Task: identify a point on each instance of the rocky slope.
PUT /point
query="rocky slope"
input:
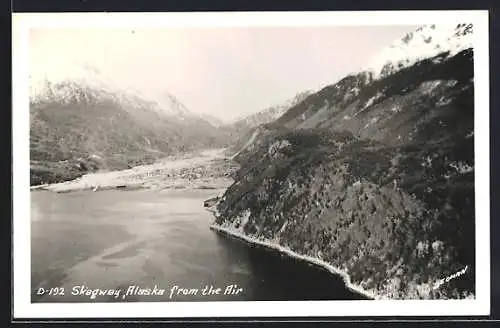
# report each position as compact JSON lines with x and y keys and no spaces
{"x":373,"y":175}
{"x":84,"y":123}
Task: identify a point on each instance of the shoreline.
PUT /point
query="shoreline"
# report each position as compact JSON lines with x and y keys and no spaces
{"x":311,"y":260}
{"x":129,"y":187}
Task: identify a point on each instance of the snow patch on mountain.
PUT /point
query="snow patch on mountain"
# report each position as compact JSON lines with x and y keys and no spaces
{"x":77,"y":73}
{"x":425,"y":42}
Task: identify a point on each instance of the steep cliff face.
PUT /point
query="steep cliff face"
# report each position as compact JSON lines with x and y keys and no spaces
{"x":396,"y":219}
{"x":373,"y":175}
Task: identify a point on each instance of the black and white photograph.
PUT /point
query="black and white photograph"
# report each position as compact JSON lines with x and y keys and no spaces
{"x":229,"y":164}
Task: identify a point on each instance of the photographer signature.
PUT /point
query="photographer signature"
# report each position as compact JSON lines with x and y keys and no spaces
{"x":457,"y":274}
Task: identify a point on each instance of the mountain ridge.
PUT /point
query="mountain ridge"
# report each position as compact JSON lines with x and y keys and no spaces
{"x":244,"y":130}
{"x":373,"y":174}
{"x":270,"y":113}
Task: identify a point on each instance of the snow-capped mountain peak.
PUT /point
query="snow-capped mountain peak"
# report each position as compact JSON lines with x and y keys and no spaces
{"x":68,"y":75}
{"x":426,"y":41}
{"x":75,"y":81}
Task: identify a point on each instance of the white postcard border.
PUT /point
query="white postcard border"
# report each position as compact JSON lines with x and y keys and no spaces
{"x":23,"y":308}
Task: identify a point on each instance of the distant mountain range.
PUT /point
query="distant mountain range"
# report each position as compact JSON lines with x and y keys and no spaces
{"x":243,"y":131}
{"x":82,"y":82}
{"x":212,"y":120}
{"x":83,"y":122}
{"x":373,"y":174}
{"x":269,"y":114}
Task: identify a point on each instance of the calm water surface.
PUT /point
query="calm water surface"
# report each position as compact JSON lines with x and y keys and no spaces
{"x":116,"y":239}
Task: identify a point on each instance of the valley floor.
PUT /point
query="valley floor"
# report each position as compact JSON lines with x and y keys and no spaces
{"x":208,"y":169}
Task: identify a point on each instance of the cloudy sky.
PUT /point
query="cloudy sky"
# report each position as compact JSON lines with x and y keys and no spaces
{"x":226,"y":72}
